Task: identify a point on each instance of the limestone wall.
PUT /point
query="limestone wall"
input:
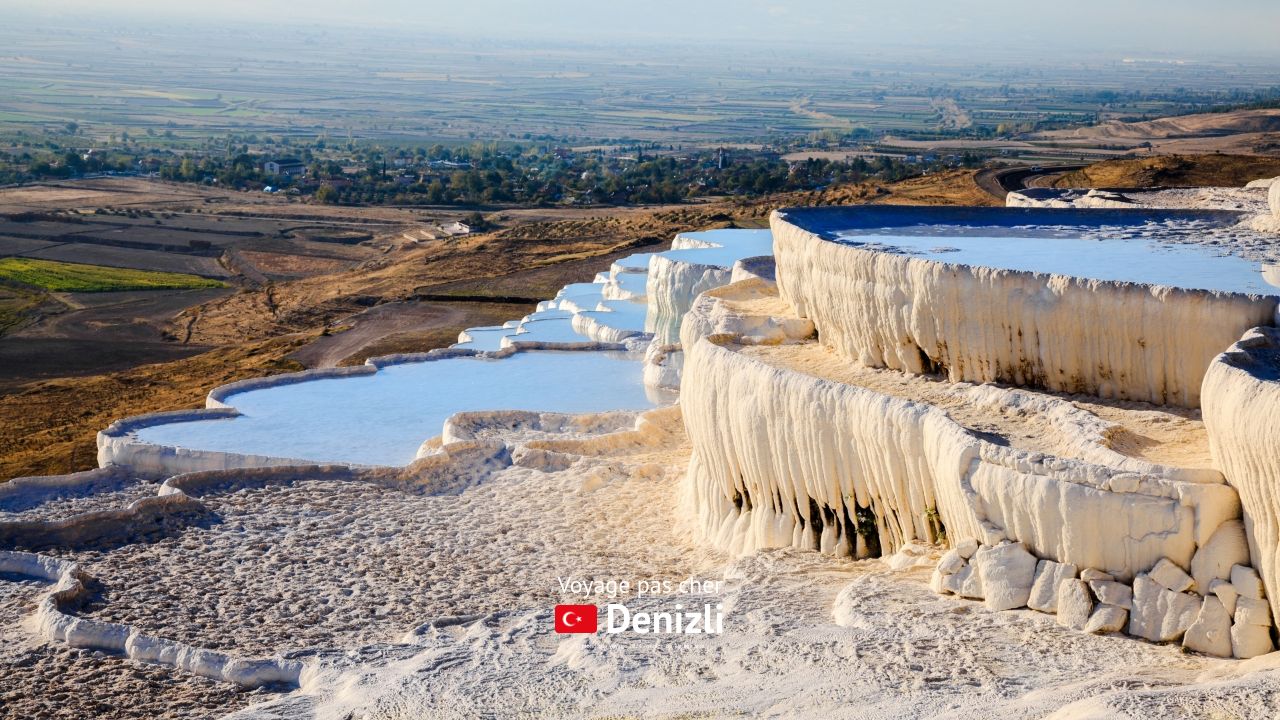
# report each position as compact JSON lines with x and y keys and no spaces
{"x":782,"y":458}
{"x":119,"y":445}
{"x":1110,"y":339}
{"x":1242,"y":415}
{"x":672,"y":287}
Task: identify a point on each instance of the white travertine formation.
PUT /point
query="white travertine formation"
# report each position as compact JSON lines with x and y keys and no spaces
{"x":1007,"y":572}
{"x":968,"y":547}
{"x":672,"y":287}
{"x":1264,"y":183}
{"x":784,"y":458}
{"x":55,"y":623}
{"x":1225,"y":592}
{"x":1095,"y":575}
{"x":1273,"y":198}
{"x":1252,"y":611}
{"x":1159,"y":614}
{"x":1067,"y":198}
{"x":1044,"y":589}
{"x":715,"y":314}
{"x":1249,"y":641}
{"x":1075,"y":604}
{"x":981,"y":324}
{"x":1246,"y":582}
{"x":1227,"y":547}
{"x":1211,"y":632}
{"x":1170,"y":576}
{"x":1240,"y":401}
{"x":1107,"y":619}
{"x":676,"y":279}
{"x":1110,"y":592}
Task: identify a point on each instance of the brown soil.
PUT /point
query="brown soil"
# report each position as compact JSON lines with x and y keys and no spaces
{"x":50,"y":427}
{"x":1181,"y":126}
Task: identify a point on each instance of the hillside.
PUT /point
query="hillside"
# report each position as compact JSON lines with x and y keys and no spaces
{"x":1172,"y":171}
{"x":1182,"y":126}
{"x":1243,"y":132}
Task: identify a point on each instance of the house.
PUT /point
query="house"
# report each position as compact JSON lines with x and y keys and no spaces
{"x":440,"y":231}
{"x":456,"y":228}
{"x":285,"y":166}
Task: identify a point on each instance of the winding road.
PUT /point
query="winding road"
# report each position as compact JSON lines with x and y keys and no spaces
{"x":998,"y":182}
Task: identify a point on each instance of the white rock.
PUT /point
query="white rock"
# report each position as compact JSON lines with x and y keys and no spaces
{"x":1044,"y":589}
{"x":1226,"y":592}
{"x":1106,"y":619}
{"x":1241,"y":392}
{"x":1110,"y":592}
{"x":1226,"y":547}
{"x":1171,"y":576}
{"x":1007,"y":572}
{"x":1091,"y":574}
{"x":937,"y":582}
{"x":950,"y":563}
{"x":1250,"y":641}
{"x":1252,"y":611}
{"x":967,"y":548}
{"x":972,"y":587}
{"x":966,"y":583}
{"x":1245,"y":580}
{"x":1211,"y":632}
{"x":1075,"y":604}
{"x":1159,"y":614}
{"x":1273,"y":199}
{"x":1264,"y":183}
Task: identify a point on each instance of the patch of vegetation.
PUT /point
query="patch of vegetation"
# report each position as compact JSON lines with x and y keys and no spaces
{"x":15,"y":305}
{"x":74,"y":277}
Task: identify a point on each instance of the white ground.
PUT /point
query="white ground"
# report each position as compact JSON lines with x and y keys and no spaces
{"x":345,"y":574}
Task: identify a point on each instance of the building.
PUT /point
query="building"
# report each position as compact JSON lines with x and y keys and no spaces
{"x":285,"y":166}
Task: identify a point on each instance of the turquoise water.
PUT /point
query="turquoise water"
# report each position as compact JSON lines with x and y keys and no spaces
{"x":485,"y":338}
{"x":733,"y":245}
{"x":382,"y":419}
{"x":1141,"y":259}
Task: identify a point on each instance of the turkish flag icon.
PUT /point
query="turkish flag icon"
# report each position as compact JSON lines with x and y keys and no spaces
{"x":577,"y":618}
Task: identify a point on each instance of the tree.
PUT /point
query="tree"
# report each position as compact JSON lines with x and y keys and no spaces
{"x":327,"y":195}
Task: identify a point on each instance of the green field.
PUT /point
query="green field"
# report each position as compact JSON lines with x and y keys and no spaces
{"x":73,"y":277}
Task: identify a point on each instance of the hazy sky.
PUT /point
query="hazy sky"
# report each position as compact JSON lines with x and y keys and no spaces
{"x":1165,"y":28}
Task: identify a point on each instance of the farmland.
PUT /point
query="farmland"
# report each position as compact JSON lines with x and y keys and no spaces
{"x":410,"y":88}
{"x":78,"y":277}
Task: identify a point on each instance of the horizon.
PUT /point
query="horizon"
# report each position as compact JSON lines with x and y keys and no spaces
{"x":986,"y":30}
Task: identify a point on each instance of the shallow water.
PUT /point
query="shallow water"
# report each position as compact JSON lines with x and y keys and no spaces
{"x":1130,"y":254}
{"x":636,"y":263}
{"x":486,"y":338}
{"x":1194,"y":249}
{"x":732,"y":245}
{"x":555,"y":330}
{"x":621,"y":314}
{"x":382,"y":419}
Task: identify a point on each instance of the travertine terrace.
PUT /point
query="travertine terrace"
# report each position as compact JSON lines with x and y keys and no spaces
{"x":857,"y":424}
